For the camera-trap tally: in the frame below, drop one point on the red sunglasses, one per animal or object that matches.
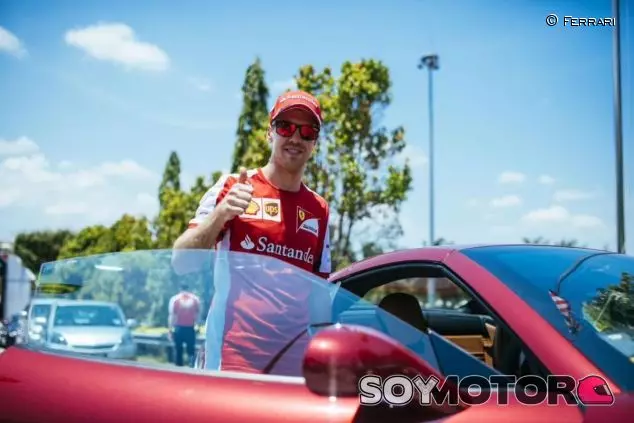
(287, 129)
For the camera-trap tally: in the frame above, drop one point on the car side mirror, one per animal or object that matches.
(132, 323)
(339, 356)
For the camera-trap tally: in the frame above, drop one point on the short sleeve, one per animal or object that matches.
(325, 263)
(211, 198)
(323, 267)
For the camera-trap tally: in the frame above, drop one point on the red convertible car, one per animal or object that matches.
(361, 347)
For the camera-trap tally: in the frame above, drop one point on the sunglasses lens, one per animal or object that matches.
(308, 132)
(285, 129)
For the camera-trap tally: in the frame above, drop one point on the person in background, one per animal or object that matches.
(184, 312)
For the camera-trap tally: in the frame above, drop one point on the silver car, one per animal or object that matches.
(95, 328)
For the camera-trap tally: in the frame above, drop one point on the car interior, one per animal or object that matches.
(460, 319)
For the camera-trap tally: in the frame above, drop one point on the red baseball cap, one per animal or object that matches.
(296, 100)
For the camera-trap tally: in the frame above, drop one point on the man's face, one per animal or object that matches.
(292, 153)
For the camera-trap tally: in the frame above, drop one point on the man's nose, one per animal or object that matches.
(296, 138)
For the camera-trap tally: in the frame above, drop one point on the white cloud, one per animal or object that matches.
(21, 146)
(551, 214)
(9, 196)
(506, 201)
(572, 195)
(128, 168)
(79, 207)
(11, 44)
(509, 177)
(546, 180)
(117, 42)
(561, 215)
(77, 196)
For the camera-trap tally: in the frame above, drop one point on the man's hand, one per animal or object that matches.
(237, 199)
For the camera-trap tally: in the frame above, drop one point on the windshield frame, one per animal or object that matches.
(534, 291)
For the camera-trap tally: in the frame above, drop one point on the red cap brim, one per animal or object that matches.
(298, 106)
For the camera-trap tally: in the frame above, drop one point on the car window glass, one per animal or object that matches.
(40, 310)
(269, 303)
(440, 293)
(448, 297)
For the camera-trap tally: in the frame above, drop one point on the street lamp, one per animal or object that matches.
(430, 62)
(618, 131)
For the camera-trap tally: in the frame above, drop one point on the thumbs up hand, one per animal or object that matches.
(242, 179)
(238, 198)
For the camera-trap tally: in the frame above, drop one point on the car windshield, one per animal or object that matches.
(87, 315)
(597, 286)
(248, 312)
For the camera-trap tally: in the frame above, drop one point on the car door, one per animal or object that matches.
(444, 346)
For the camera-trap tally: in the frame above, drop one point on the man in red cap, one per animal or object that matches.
(267, 211)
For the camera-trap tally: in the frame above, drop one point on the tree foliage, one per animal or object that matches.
(171, 176)
(40, 247)
(612, 309)
(353, 167)
(177, 206)
(129, 233)
(543, 241)
(251, 148)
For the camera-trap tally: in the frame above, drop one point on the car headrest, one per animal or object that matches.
(405, 307)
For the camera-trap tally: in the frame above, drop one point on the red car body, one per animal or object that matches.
(44, 387)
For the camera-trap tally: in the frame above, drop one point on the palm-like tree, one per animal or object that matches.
(613, 307)
(543, 241)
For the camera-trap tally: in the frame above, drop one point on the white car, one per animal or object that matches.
(95, 328)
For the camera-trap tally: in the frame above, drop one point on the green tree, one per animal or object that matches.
(127, 234)
(40, 247)
(177, 207)
(439, 241)
(95, 239)
(613, 307)
(371, 249)
(353, 166)
(251, 147)
(171, 176)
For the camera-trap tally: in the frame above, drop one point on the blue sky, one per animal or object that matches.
(95, 96)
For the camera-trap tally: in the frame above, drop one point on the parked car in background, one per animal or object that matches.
(94, 328)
